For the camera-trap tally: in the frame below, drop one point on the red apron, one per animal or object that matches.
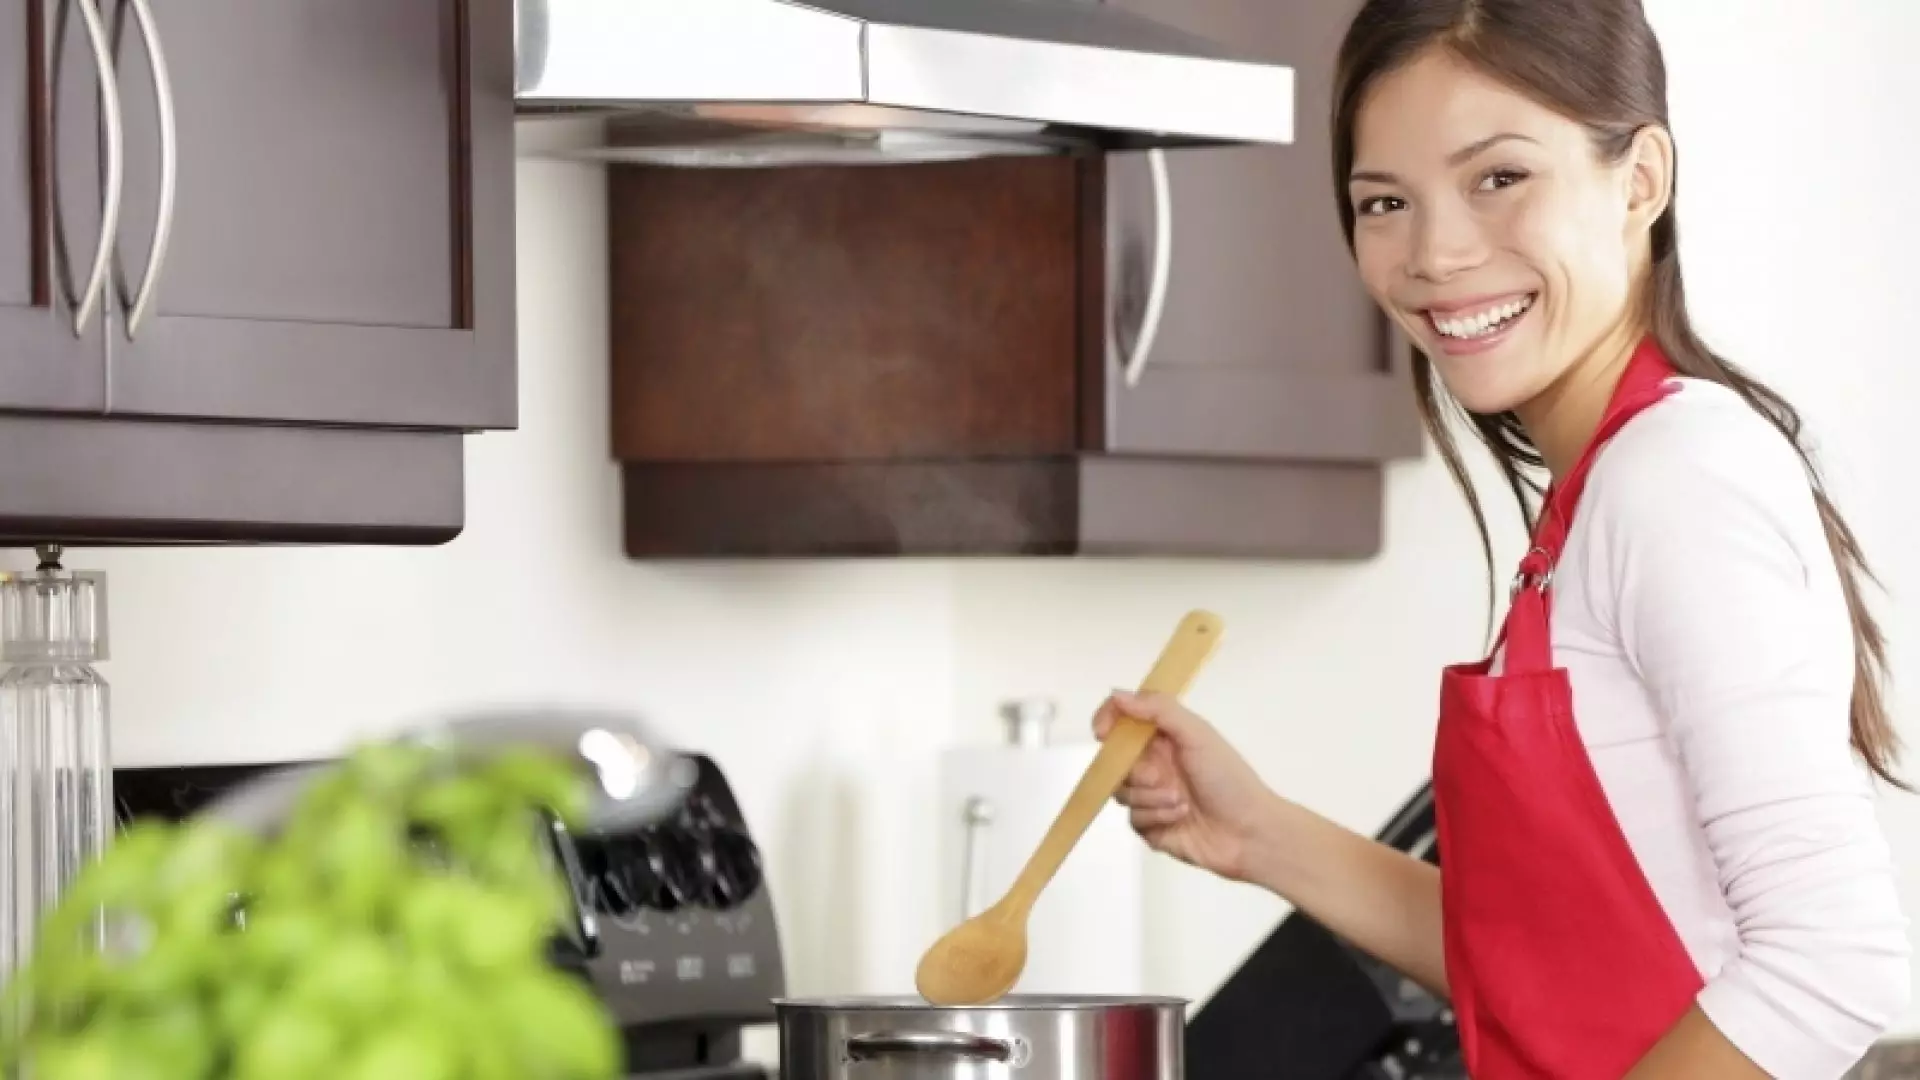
(1561, 962)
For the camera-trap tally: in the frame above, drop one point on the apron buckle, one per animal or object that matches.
(1538, 566)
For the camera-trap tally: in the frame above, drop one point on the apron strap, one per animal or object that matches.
(1526, 631)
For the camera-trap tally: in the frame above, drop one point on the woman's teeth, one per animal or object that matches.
(1481, 323)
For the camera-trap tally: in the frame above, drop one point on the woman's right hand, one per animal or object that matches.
(1191, 794)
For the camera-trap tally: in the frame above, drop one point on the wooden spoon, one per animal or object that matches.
(979, 961)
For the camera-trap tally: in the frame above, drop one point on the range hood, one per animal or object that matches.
(757, 82)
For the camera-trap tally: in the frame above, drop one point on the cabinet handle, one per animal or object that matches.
(1162, 266)
(110, 204)
(169, 167)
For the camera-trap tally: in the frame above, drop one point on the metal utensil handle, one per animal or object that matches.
(169, 168)
(110, 121)
(960, 1044)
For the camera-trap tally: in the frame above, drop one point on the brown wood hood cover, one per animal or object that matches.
(910, 360)
(844, 313)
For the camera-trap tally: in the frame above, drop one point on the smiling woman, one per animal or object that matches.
(1522, 237)
(1683, 876)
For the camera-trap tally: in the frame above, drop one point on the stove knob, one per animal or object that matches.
(625, 883)
(736, 869)
(641, 884)
(600, 877)
(617, 888)
(675, 864)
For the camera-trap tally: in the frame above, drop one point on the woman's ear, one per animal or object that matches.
(1649, 176)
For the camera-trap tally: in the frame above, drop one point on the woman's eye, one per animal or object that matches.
(1379, 204)
(1501, 178)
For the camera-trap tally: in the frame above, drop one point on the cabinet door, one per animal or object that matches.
(1267, 346)
(50, 208)
(339, 245)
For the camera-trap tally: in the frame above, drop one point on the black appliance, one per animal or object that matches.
(676, 929)
(1307, 1006)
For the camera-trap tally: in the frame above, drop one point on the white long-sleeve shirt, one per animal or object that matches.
(1700, 617)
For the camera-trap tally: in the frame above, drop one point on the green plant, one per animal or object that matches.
(394, 928)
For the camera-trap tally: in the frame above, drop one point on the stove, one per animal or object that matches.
(674, 925)
(684, 949)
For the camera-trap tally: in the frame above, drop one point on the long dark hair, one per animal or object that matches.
(1596, 61)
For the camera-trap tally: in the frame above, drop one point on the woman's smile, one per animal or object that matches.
(1476, 324)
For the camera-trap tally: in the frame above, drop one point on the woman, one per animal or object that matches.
(1661, 853)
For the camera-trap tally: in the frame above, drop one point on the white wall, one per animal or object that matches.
(1798, 238)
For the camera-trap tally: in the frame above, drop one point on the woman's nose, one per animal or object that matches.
(1445, 243)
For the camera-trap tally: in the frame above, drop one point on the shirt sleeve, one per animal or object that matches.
(1730, 610)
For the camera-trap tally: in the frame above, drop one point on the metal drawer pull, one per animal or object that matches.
(1162, 267)
(110, 205)
(169, 167)
(959, 1044)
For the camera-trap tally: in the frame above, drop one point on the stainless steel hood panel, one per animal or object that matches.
(768, 78)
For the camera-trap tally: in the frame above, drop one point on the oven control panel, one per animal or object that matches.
(682, 922)
(679, 924)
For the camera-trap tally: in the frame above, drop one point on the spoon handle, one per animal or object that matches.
(1182, 658)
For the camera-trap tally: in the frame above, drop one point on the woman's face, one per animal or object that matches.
(1488, 228)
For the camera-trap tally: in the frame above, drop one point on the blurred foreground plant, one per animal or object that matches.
(394, 928)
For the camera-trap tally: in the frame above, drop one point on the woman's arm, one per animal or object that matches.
(1382, 901)
(1728, 604)
(1696, 1050)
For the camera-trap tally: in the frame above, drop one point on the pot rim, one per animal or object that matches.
(1009, 1003)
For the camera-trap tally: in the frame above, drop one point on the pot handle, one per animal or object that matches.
(961, 1044)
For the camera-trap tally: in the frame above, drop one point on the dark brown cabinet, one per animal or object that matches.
(48, 128)
(309, 265)
(340, 248)
(933, 359)
(1266, 345)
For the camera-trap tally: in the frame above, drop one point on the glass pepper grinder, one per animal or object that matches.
(56, 776)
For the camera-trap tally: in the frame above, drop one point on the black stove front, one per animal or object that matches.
(676, 930)
(1327, 1010)
(686, 951)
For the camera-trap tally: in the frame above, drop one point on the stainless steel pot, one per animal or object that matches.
(1020, 1037)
